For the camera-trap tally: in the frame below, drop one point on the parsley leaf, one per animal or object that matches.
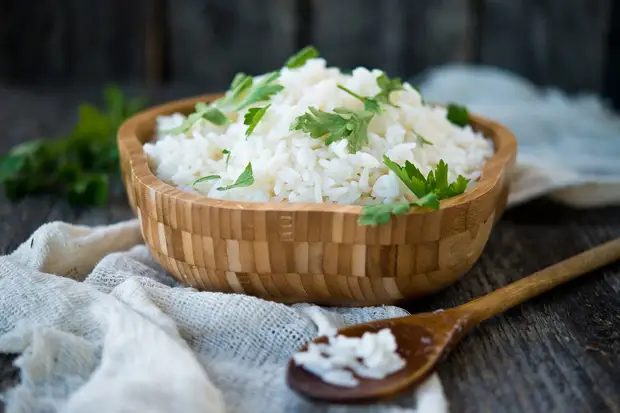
(409, 175)
(357, 127)
(429, 190)
(370, 104)
(252, 117)
(206, 178)
(240, 82)
(344, 123)
(89, 189)
(259, 92)
(380, 214)
(301, 57)
(421, 140)
(227, 153)
(76, 166)
(457, 115)
(318, 124)
(245, 179)
(387, 86)
(203, 111)
(429, 200)
(238, 88)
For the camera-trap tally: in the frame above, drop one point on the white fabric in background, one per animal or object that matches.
(101, 328)
(569, 147)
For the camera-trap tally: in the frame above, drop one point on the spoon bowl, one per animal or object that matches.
(423, 339)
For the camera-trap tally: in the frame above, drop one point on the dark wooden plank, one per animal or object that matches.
(552, 42)
(352, 33)
(399, 36)
(437, 32)
(71, 40)
(555, 353)
(211, 40)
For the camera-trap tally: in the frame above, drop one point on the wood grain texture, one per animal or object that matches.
(393, 35)
(306, 251)
(554, 353)
(557, 353)
(211, 40)
(551, 42)
(564, 43)
(437, 32)
(62, 40)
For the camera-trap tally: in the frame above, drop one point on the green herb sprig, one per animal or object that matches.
(259, 92)
(343, 123)
(429, 190)
(370, 105)
(245, 179)
(252, 117)
(227, 153)
(206, 178)
(422, 140)
(457, 115)
(243, 92)
(387, 86)
(202, 111)
(301, 57)
(76, 166)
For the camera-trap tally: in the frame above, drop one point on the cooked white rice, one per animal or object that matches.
(373, 356)
(292, 166)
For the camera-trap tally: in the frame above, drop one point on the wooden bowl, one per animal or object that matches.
(310, 252)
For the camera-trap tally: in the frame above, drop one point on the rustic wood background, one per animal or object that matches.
(573, 44)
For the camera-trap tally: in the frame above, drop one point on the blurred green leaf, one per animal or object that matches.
(76, 166)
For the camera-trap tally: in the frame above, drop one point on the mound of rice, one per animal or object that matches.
(292, 166)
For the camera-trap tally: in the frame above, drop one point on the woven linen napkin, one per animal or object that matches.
(100, 327)
(569, 147)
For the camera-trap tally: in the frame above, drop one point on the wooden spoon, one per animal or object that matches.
(423, 339)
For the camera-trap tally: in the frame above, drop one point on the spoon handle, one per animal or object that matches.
(541, 281)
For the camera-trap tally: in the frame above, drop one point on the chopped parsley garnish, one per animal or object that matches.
(343, 123)
(252, 117)
(245, 179)
(370, 104)
(429, 190)
(387, 86)
(202, 111)
(301, 57)
(240, 84)
(258, 92)
(457, 115)
(227, 153)
(243, 92)
(421, 140)
(206, 178)
(380, 214)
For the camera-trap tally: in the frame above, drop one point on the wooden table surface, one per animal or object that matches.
(557, 353)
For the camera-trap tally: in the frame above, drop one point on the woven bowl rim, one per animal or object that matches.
(143, 124)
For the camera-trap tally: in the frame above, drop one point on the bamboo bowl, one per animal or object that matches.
(304, 252)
